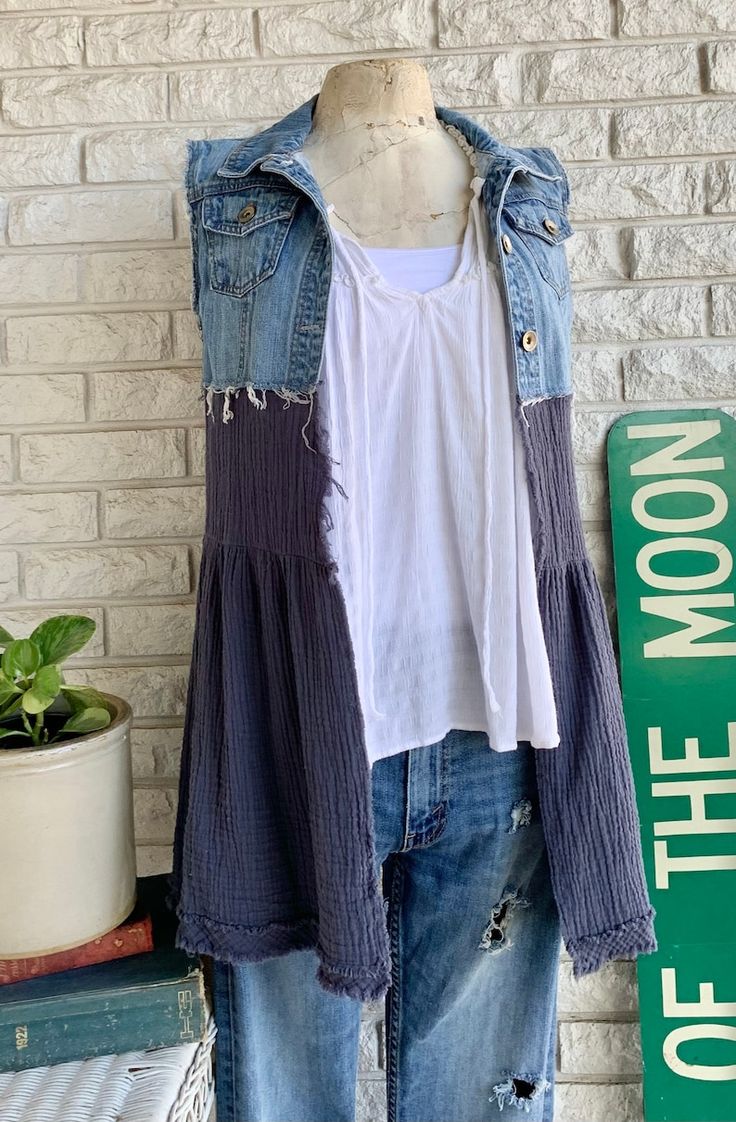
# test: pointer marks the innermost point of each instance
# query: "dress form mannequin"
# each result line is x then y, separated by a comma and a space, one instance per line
379, 154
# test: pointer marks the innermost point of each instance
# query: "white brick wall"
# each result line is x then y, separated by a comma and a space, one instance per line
101, 450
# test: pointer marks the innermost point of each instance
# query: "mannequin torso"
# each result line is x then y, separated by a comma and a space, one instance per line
379, 154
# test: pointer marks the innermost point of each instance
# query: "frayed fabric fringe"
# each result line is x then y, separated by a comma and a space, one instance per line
626, 940
198, 934
368, 985
247, 944
507, 1092
544, 397
301, 397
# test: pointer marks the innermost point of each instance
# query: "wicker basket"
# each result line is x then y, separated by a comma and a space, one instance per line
159, 1085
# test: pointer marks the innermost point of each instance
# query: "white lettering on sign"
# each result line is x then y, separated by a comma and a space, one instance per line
705, 1006
680, 644
696, 790
698, 1032
685, 604
692, 760
665, 461
679, 487
721, 572
685, 561
664, 864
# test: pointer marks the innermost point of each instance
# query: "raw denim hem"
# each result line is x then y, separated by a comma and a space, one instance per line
624, 941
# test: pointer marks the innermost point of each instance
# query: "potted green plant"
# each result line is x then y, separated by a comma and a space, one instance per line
66, 796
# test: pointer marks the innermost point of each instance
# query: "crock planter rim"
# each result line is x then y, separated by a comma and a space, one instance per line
89, 740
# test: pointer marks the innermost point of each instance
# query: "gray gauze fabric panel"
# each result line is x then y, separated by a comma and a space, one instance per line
274, 834
586, 786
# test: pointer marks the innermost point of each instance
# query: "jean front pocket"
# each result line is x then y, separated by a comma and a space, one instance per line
245, 232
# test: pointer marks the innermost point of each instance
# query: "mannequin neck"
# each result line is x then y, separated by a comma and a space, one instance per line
393, 95
384, 160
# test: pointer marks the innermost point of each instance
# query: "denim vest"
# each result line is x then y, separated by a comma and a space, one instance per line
263, 259
273, 848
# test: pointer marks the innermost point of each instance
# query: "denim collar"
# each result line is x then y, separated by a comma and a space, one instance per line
272, 147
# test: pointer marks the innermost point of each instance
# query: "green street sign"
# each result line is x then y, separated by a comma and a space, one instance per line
672, 485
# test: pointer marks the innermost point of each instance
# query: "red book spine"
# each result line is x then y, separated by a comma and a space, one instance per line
133, 936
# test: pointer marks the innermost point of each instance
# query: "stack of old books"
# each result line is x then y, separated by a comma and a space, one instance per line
129, 990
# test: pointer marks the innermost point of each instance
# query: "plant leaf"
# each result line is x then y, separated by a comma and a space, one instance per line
86, 720
5, 637
44, 690
8, 689
61, 636
35, 702
20, 659
14, 732
85, 697
14, 707
48, 680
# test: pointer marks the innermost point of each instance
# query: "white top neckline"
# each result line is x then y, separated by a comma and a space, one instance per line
366, 270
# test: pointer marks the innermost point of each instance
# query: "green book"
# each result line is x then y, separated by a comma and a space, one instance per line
150, 1000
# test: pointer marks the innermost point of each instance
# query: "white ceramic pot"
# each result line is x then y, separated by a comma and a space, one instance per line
67, 844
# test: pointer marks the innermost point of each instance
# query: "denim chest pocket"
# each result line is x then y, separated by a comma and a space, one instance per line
542, 228
245, 233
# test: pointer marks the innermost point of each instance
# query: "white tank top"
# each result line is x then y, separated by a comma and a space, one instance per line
431, 525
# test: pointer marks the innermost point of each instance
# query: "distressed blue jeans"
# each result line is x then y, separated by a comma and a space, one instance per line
475, 942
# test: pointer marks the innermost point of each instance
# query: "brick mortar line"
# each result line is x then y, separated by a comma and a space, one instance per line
514, 54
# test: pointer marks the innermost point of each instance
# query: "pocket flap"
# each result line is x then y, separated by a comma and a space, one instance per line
541, 219
242, 212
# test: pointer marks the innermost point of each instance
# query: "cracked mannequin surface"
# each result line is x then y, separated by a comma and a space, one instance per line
395, 176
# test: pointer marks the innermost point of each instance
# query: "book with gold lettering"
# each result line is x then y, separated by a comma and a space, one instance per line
151, 1000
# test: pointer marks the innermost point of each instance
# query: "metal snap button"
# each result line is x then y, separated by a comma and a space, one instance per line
529, 340
247, 212
551, 225
506, 243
